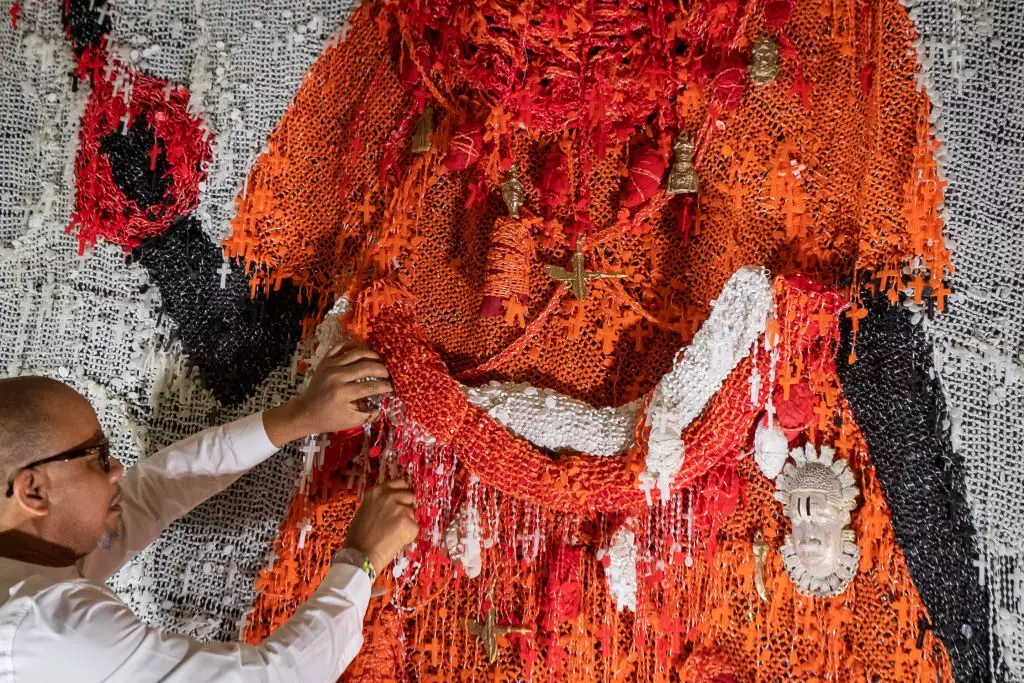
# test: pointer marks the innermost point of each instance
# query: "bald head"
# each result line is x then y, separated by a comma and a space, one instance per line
40, 417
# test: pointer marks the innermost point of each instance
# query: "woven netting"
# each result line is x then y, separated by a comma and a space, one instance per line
97, 323
844, 182
900, 409
236, 341
972, 52
100, 323
828, 169
708, 621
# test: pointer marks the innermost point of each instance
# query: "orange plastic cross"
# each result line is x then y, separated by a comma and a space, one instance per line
367, 209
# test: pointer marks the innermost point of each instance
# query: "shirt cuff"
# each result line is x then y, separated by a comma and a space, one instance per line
353, 581
248, 438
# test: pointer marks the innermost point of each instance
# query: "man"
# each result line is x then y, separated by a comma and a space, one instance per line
72, 517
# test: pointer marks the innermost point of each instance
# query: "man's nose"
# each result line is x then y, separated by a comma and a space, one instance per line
116, 470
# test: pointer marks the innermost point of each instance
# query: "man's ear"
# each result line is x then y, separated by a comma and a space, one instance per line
31, 492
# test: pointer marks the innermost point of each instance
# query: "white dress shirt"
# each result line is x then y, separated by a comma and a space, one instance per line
65, 625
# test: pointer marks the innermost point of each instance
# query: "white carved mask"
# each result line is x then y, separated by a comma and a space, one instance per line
818, 493
817, 532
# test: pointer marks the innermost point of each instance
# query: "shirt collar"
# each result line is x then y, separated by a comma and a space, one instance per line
14, 572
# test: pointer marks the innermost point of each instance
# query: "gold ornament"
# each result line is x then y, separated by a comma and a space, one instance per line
424, 130
683, 178
764, 61
576, 279
760, 560
487, 633
513, 192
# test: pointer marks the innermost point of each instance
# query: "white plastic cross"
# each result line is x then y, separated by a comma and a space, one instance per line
304, 528
224, 271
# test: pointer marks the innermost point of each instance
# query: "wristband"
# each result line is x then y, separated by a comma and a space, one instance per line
355, 558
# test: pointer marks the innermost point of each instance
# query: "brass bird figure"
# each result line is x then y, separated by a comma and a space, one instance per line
487, 633
576, 279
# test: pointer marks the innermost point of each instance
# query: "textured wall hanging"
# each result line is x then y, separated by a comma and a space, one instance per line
535, 212
572, 249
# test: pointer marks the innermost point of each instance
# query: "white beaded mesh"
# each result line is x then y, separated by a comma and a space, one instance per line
974, 58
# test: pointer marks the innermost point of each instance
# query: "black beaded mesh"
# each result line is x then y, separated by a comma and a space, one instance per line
86, 22
901, 410
130, 165
234, 340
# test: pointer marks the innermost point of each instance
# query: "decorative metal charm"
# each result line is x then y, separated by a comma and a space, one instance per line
576, 279
764, 61
683, 179
424, 131
760, 548
513, 192
487, 633
817, 494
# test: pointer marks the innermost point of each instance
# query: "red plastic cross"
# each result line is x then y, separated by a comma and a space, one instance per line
154, 154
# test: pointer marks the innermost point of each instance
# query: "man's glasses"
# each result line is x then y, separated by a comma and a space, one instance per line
100, 450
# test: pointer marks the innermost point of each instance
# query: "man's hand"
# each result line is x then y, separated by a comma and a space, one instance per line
346, 375
384, 523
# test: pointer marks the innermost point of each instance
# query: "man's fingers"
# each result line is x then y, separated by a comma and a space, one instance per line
362, 370
339, 348
357, 354
407, 498
360, 390
344, 354
397, 484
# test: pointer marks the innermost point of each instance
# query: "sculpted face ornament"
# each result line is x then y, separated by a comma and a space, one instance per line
818, 493
513, 192
764, 61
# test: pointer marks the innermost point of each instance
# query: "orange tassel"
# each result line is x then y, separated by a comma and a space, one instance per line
510, 260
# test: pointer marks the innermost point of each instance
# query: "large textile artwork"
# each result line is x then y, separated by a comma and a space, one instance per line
605, 250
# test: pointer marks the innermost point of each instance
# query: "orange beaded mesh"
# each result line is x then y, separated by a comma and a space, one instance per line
842, 187
828, 170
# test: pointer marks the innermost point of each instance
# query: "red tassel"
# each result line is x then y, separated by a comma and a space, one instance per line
687, 218
645, 176
466, 144
508, 267
563, 592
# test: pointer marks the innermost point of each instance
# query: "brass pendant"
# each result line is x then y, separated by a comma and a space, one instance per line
424, 130
764, 61
513, 192
487, 632
576, 279
760, 548
683, 178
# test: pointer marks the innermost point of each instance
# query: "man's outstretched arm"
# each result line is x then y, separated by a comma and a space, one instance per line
162, 488
92, 631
